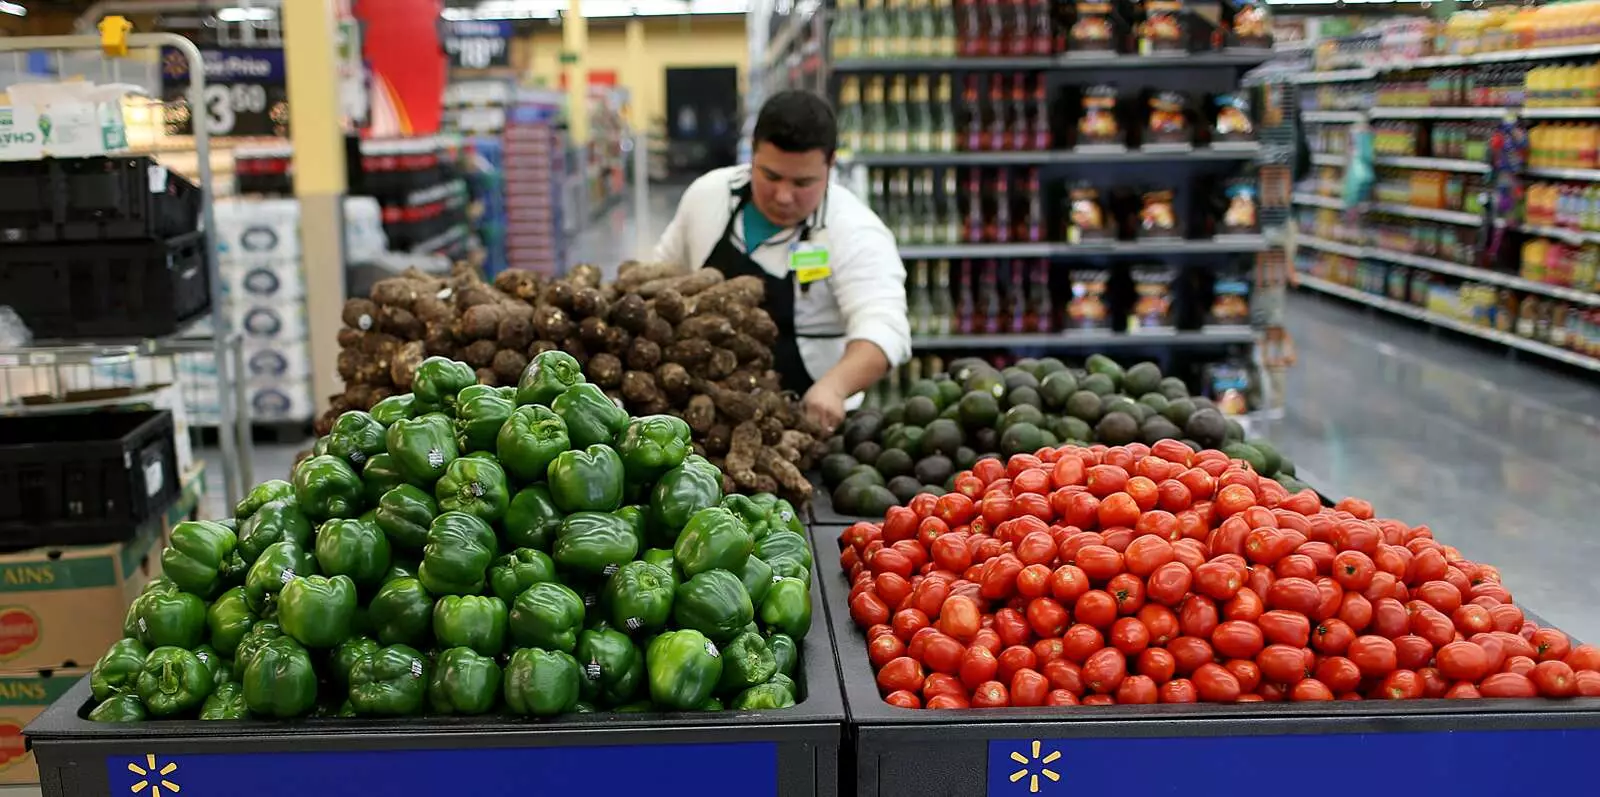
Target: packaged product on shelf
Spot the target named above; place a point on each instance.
(1088, 308)
(1163, 29)
(1229, 385)
(1241, 216)
(1097, 124)
(1168, 121)
(1230, 298)
(1093, 31)
(1232, 121)
(1250, 25)
(1086, 219)
(1152, 302)
(1158, 218)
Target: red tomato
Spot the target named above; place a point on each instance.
(1412, 652)
(1104, 670)
(978, 664)
(1137, 690)
(1354, 535)
(1031, 481)
(1389, 618)
(1554, 678)
(1400, 685)
(1442, 595)
(1508, 684)
(1246, 605)
(923, 504)
(1060, 697)
(1048, 650)
(1145, 554)
(1046, 617)
(1173, 495)
(943, 654)
(1033, 581)
(1012, 627)
(1550, 644)
(1353, 570)
(1068, 583)
(1156, 663)
(1016, 657)
(1218, 580)
(999, 579)
(1081, 640)
(1506, 617)
(1215, 684)
(1374, 655)
(1339, 673)
(942, 684)
(1128, 591)
(1295, 595)
(1296, 565)
(1285, 628)
(1462, 661)
(884, 649)
(1434, 684)
(1332, 637)
(1064, 675)
(987, 638)
(1118, 509)
(991, 694)
(1168, 583)
(1463, 691)
(1129, 635)
(1521, 665)
(955, 509)
(1584, 657)
(907, 622)
(1143, 492)
(1188, 653)
(1472, 619)
(1434, 627)
(1233, 499)
(1310, 690)
(989, 469)
(1096, 607)
(891, 560)
(868, 609)
(1356, 611)
(1160, 621)
(1028, 688)
(919, 640)
(902, 673)
(960, 617)
(893, 588)
(1588, 682)
(1100, 562)
(1103, 480)
(1068, 471)
(1237, 639)
(1037, 548)
(903, 699)
(950, 552)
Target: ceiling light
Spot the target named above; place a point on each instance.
(236, 14)
(13, 9)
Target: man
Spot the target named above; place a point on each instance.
(834, 281)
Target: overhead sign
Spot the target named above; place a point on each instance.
(472, 44)
(246, 92)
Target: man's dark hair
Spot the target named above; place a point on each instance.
(797, 121)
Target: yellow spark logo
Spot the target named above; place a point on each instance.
(149, 772)
(1028, 766)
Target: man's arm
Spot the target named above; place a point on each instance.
(862, 365)
(673, 246)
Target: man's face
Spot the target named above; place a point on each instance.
(787, 187)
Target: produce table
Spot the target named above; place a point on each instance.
(788, 752)
(1482, 747)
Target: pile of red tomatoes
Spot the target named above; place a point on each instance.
(1135, 574)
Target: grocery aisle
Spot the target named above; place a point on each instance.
(1497, 456)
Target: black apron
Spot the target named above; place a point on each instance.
(726, 258)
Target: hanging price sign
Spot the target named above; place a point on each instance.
(478, 45)
(245, 93)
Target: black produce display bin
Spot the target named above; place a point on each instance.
(131, 289)
(1422, 747)
(789, 752)
(94, 199)
(84, 478)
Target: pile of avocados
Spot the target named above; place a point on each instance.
(882, 457)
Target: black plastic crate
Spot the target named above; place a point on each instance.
(1199, 749)
(788, 753)
(137, 289)
(84, 478)
(94, 199)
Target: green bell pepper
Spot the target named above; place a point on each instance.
(746, 662)
(787, 652)
(196, 555)
(356, 437)
(441, 378)
(120, 707)
(226, 702)
(221, 669)
(764, 697)
(507, 392)
(529, 440)
(587, 481)
(261, 495)
(594, 543)
(279, 681)
(234, 569)
(344, 657)
(260, 634)
(612, 667)
(401, 612)
(118, 669)
(464, 683)
(542, 683)
(678, 494)
(474, 485)
(457, 557)
(532, 518)
(787, 608)
(404, 514)
(391, 682)
(516, 571)
(401, 568)
(353, 547)
(394, 408)
(713, 603)
(684, 668)
(173, 681)
(652, 445)
(327, 487)
(662, 558)
(422, 447)
(317, 611)
(480, 412)
(638, 597)
(276, 566)
(274, 522)
(546, 615)
(788, 554)
(379, 476)
(764, 513)
(548, 376)
(591, 416)
(713, 539)
(786, 682)
(470, 621)
(170, 619)
(784, 517)
(757, 577)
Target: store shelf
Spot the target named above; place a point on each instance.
(931, 251)
(1561, 113)
(1242, 151)
(1332, 247)
(1334, 76)
(1316, 201)
(1560, 233)
(1586, 175)
(1079, 340)
(1501, 57)
(1025, 62)
(1429, 214)
(1484, 275)
(1440, 113)
(1324, 159)
(1438, 319)
(1065, 62)
(1333, 117)
(1438, 164)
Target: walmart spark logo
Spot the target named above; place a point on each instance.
(1034, 767)
(153, 778)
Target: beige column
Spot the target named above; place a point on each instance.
(574, 64)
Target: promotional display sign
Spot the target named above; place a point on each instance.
(246, 92)
(472, 44)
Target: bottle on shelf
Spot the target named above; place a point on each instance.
(922, 132)
(999, 132)
(921, 299)
(876, 123)
(874, 29)
(969, 29)
(966, 302)
(945, 36)
(898, 137)
(989, 306)
(900, 201)
(972, 107)
(897, 28)
(926, 229)
(951, 223)
(999, 230)
(1041, 115)
(995, 24)
(919, 29)
(850, 121)
(1021, 311)
(974, 228)
(1031, 228)
(1043, 27)
(944, 117)
(1039, 297)
(943, 302)
(844, 41)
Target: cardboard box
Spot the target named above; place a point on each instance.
(62, 607)
(22, 696)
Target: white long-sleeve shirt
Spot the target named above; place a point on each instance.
(863, 299)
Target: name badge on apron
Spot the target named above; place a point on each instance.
(809, 262)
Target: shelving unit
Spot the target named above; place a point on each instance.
(1244, 151)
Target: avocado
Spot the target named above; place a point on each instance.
(988, 381)
(1020, 438)
(1122, 404)
(904, 487)
(1286, 466)
(986, 439)
(965, 458)
(1117, 429)
(867, 452)
(1292, 484)
(1207, 427)
(1248, 453)
(1048, 439)
(1156, 429)
(1105, 366)
(864, 473)
(1070, 428)
(928, 388)
(1178, 410)
(836, 444)
(1203, 403)
(835, 467)
(979, 409)
(1235, 430)
(1145, 413)
(875, 501)
(951, 412)
(1085, 405)
(844, 497)
(1098, 384)
(1173, 388)
(942, 437)
(962, 367)
(1022, 413)
(1154, 401)
(1023, 395)
(1193, 446)
(1047, 366)
(949, 390)
(1016, 377)
(895, 414)
(921, 410)
(1141, 378)
(1027, 364)
(908, 439)
(893, 462)
(1269, 455)
(861, 427)
(1056, 388)
(935, 469)
(930, 489)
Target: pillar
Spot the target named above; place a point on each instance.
(574, 65)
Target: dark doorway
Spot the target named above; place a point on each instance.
(703, 118)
